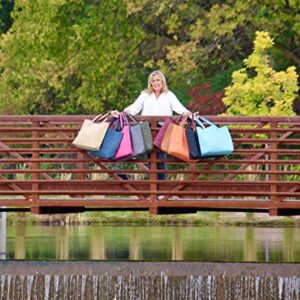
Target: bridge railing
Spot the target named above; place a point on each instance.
(41, 171)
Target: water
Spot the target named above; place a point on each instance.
(153, 243)
(149, 262)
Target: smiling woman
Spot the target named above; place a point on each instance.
(157, 99)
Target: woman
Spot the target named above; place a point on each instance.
(156, 100)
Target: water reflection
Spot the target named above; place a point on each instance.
(159, 243)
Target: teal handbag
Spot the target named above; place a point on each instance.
(213, 140)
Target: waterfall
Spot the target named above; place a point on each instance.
(134, 286)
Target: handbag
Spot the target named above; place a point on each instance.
(192, 139)
(92, 132)
(138, 144)
(162, 131)
(175, 141)
(111, 141)
(125, 148)
(160, 134)
(213, 140)
(147, 135)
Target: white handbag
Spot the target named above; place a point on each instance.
(92, 132)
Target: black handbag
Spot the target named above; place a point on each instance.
(192, 138)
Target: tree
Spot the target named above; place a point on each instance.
(68, 56)
(205, 101)
(257, 89)
(195, 41)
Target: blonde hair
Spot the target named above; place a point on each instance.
(149, 89)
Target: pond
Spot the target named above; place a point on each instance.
(152, 243)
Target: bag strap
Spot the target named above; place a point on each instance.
(191, 121)
(131, 117)
(125, 120)
(207, 121)
(115, 123)
(101, 117)
(183, 120)
(204, 120)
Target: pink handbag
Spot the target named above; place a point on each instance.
(125, 148)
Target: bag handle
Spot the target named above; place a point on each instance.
(191, 121)
(183, 120)
(131, 117)
(101, 117)
(204, 120)
(124, 120)
(207, 121)
(115, 123)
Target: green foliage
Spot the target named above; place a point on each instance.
(195, 41)
(83, 56)
(259, 90)
(68, 57)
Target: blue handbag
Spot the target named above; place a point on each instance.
(213, 140)
(111, 141)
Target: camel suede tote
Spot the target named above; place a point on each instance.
(92, 132)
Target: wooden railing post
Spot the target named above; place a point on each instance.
(273, 210)
(153, 176)
(35, 206)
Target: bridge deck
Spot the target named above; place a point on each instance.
(42, 172)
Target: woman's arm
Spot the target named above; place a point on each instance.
(136, 106)
(176, 104)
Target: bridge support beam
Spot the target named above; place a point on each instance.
(273, 212)
(35, 210)
(153, 210)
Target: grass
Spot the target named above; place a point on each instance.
(144, 218)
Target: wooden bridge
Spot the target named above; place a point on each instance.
(41, 171)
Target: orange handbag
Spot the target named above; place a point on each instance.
(175, 141)
(164, 146)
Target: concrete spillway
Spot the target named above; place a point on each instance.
(148, 280)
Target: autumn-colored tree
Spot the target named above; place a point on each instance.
(206, 102)
(257, 89)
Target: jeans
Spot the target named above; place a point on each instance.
(161, 165)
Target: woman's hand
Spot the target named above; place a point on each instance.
(115, 113)
(127, 111)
